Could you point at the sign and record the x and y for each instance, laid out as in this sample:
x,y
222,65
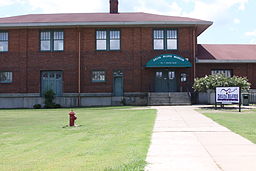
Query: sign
x,y
168,60
226,95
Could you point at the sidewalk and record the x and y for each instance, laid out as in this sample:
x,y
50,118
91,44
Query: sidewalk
x,y
185,140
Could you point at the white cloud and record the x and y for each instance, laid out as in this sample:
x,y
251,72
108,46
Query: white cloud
x,y
65,6
251,33
157,7
9,2
214,9
236,21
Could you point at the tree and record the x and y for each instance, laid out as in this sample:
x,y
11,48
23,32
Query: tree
x,y
219,80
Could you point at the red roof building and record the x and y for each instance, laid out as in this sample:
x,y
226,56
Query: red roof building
x,y
98,59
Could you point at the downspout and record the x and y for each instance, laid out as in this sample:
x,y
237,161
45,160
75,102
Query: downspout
x,y
194,52
26,54
79,67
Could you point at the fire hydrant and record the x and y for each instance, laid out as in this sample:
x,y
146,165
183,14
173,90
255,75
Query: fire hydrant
x,y
72,118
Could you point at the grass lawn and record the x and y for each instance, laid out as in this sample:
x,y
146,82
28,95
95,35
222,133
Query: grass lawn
x,y
243,123
108,139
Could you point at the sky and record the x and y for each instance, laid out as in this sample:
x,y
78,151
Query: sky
x,y
234,21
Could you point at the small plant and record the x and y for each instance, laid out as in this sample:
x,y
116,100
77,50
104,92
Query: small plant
x,y
49,97
37,106
57,106
123,102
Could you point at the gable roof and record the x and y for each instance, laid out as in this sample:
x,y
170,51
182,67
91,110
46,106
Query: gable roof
x,y
226,53
101,19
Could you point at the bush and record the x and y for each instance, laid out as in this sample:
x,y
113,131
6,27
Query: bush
x,y
219,80
37,106
49,97
57,106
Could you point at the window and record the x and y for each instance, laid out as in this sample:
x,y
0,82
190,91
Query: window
x,y
52,41
159,74
3,41
107,40
171,75
5,77
98,76
225,72
183,77
165,39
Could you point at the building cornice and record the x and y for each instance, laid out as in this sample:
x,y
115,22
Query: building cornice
x,y
205,61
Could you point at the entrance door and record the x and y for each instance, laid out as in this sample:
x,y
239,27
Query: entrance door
x,y
118,86
51,80
165,81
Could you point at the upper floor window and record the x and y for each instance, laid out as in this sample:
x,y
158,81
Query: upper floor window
x,y
108,40
98,76
165,39
3,41
51,41
225,72
5,77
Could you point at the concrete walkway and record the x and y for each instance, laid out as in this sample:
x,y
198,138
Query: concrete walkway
x,y
185,140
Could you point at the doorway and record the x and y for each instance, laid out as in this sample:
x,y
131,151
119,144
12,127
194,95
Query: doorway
x,y
165,81
51,80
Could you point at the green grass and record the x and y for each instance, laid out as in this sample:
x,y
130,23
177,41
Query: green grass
x,y
108,139
243,123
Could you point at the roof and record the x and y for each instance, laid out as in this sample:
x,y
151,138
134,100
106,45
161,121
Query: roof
x,y
226,53
89,19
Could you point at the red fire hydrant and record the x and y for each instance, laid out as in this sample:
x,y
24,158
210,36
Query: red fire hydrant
x,y
72,118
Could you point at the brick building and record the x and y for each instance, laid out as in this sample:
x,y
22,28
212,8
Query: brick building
x,y
92,59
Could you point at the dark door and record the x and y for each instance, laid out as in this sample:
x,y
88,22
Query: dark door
x,y
118,86
165,81
51,80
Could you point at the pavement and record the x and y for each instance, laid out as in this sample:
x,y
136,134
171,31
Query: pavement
x,y
185,140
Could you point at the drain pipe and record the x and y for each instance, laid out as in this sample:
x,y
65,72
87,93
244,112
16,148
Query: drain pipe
x,y
79,67
194,52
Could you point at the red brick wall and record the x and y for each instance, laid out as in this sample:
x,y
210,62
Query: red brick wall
x,y
26,61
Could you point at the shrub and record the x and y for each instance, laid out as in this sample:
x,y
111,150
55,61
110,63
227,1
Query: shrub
x,y
57,106
219,80
37,106
49,97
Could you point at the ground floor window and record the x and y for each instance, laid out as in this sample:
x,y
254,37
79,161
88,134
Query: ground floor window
x,y
5,77
98,76
225,72
183,77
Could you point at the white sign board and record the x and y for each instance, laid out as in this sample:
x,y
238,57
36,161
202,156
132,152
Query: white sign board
x,y
227,95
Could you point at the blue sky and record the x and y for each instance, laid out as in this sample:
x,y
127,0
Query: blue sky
x,y
234,20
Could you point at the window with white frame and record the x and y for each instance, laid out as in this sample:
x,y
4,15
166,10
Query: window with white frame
x,y
225,72
5,77
98,76
165,39
3,41
107,40
51,40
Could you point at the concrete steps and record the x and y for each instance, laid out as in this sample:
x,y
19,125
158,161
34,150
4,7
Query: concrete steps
x,y
168,99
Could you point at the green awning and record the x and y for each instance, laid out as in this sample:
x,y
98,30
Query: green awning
x,y
168,60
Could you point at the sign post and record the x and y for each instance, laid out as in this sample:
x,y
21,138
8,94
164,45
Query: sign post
x,y
228,95
239,99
